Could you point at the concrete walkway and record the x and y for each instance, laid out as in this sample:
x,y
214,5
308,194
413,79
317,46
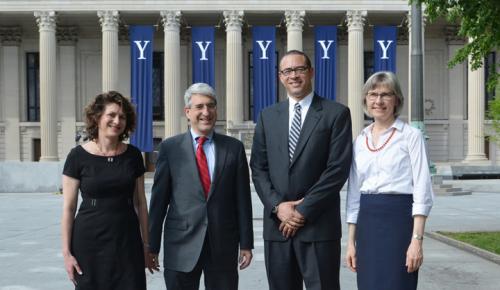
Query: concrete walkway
x,y
30,255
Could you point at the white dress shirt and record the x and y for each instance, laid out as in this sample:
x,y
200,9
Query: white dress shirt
x,y
401,167
305,103
209,148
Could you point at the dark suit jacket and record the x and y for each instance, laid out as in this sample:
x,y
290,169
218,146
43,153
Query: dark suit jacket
x,y
226,216
317,172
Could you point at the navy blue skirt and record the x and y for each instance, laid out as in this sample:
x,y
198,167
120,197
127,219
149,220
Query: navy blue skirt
x,y
383,234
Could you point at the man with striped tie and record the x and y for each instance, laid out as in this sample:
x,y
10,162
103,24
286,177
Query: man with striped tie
x,y
201,202
301,157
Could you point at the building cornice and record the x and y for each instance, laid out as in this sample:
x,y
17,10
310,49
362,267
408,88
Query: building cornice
x,y
207,5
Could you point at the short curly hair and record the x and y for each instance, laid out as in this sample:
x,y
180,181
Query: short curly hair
x,y
96,107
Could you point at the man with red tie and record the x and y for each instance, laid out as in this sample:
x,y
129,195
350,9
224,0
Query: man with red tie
x,y
201,200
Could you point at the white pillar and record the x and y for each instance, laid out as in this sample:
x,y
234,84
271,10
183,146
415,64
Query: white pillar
x,y
355,69
457,88
408,19
10,91
294,22
475,112
109,23
48,106
66,38
172,73
234,67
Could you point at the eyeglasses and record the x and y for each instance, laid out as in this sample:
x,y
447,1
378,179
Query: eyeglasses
x,y
372,96
300,70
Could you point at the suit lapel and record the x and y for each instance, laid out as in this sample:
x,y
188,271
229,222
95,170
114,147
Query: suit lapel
x,y
188,151
282,130
220,160
312,118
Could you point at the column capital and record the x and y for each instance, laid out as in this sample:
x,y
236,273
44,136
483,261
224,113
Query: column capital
x,y
10,35
67,35
294,19
233,20
355,19
171,20
451,35
109,19
46,20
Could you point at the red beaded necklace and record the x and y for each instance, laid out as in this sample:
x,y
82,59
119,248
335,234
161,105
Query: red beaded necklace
x,y
383,145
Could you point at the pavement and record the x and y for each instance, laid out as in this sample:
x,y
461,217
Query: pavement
x,y
30,255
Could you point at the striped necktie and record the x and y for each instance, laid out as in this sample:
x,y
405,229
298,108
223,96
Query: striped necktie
x,y
293,137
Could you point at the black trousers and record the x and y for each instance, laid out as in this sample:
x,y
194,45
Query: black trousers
x,y
292,263
216,275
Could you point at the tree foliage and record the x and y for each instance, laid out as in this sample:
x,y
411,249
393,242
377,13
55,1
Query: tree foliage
x,y
479,21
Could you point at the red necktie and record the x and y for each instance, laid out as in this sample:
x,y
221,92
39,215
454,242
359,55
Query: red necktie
x,y
202,164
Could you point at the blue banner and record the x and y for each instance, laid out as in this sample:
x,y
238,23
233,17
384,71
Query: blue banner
x,y
384,47
141,45
203,47
264,68
325,58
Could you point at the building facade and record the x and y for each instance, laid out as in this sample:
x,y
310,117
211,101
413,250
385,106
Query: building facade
x,y
57,55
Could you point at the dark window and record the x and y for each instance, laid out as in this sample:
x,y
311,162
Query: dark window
x,y
37,151
369,69
368,62
158,100
33,86
489,65
250,82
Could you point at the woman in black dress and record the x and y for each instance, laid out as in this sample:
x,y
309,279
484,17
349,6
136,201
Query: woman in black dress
x,y
105,246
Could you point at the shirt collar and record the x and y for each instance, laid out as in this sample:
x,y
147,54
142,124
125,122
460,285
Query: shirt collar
x,y
305,102
196,136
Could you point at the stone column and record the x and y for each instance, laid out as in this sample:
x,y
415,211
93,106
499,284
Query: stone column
x,y
67,37
10,91
355,69
475,112
408,21
457,88
172,72
109,22
294,22
48,105
234,67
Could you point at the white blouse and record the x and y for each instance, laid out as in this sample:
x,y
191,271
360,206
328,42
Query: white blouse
x,y
401,167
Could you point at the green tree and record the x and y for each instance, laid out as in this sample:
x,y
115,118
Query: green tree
x,y
479,21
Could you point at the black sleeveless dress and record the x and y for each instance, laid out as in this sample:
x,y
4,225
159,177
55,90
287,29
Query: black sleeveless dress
x,y
106,239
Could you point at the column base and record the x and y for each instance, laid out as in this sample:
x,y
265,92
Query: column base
x,y
48,158
475,158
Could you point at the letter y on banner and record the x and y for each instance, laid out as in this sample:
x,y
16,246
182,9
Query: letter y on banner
x,y
384,47
141,46
202,45
325,50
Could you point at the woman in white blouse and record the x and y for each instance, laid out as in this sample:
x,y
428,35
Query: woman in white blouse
x,y
389,193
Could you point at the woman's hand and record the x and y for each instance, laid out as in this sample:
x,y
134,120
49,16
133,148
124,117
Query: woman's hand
x,y
71,266
350,257
414,256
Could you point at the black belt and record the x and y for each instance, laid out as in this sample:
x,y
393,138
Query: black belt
x,y
106,202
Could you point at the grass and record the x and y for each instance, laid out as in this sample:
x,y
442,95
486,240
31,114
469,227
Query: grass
x,y
489,241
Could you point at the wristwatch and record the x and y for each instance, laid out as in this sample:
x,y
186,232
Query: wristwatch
x,y
418,237
275,209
